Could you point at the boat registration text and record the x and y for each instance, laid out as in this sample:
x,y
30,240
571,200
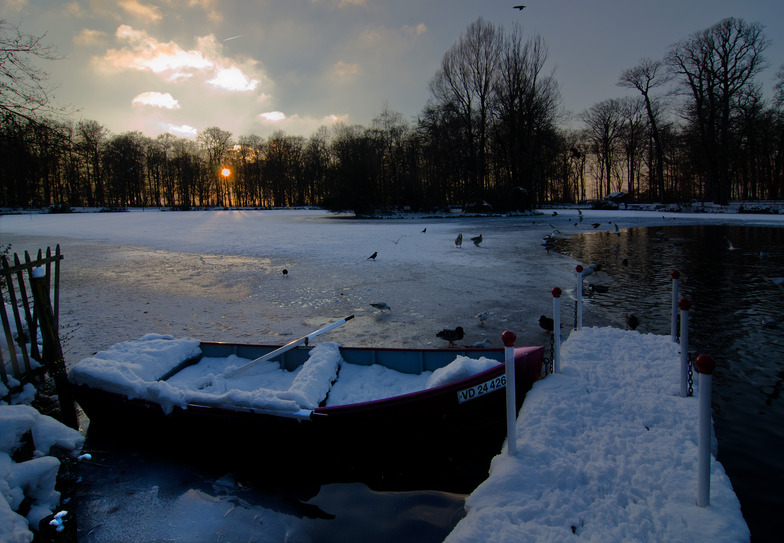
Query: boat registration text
x,y
481,389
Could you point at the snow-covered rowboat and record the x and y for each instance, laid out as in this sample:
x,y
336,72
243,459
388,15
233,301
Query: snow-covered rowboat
x,y
328,407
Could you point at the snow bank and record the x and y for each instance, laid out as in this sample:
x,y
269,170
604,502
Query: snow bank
x,y
34,479
607,451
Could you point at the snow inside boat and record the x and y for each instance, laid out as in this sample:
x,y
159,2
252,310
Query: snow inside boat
x,y
323,404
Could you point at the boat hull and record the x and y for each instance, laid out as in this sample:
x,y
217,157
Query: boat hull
x,y
460,424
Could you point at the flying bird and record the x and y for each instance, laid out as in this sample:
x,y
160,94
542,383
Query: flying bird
x,y
482,317
477,240
546,323
459,241
373,256
519,8
451,335
596,225
632,322
381,306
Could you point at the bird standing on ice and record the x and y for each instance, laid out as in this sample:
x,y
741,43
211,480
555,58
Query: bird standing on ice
x,y
459,241
482,317
477,240
381,306
451,335
373,256
546,323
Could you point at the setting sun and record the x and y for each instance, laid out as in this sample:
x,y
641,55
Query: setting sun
x,y
225,172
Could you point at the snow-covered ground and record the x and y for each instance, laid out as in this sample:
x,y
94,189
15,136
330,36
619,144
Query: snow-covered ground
x,y
217,275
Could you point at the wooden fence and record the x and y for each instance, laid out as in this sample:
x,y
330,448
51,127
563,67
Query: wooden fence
x,y
31,304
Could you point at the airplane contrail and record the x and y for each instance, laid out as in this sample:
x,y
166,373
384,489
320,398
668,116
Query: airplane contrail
x,y
234,37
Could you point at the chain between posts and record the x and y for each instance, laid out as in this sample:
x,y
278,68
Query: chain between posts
x,y
691,377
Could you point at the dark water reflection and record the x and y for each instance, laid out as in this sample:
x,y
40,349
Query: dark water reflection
x,y
732,296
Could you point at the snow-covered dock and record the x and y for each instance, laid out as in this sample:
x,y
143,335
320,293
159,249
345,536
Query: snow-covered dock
x,y
606,451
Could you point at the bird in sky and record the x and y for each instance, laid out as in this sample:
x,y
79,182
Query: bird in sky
x,y
451,335
477,240
519,8
373,256
459,241
482,317
596,225
381,306
546,323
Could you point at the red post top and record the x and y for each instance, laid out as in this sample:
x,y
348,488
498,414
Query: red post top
x,y
684,304
556,292
705,364
675,274
509,338
578,268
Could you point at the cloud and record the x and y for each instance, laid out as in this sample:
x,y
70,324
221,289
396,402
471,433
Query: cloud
x,y
416,30
156,99
272,116
87,36
181,131
147,54
137,9
232,79
343,70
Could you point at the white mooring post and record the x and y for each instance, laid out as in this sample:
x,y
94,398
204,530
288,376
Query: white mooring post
x,y
674,326
556,330
579,270
705,366
684,306
509,339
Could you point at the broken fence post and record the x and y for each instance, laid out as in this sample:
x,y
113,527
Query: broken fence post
x,y
509,339
705,366
53,351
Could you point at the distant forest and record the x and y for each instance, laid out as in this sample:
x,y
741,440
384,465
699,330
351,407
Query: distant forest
x,y
492,135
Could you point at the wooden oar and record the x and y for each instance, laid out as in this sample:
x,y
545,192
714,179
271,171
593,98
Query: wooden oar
x,y
287,347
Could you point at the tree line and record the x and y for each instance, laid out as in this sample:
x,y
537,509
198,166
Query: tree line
x,y
492,136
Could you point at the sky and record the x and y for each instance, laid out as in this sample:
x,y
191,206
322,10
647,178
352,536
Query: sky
x,y
182,66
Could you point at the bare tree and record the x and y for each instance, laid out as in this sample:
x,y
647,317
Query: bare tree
x,y
465,82
24,92
714,66
216,143
604,122
646,76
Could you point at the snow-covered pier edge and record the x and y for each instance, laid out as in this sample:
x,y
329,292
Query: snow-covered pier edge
x,y
606,451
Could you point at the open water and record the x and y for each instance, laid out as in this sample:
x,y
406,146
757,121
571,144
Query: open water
x,y
737,317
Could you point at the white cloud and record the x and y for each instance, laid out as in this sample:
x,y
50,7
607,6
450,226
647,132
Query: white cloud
x,y
343,70
148,54
272,116
181,131
232,79
156,99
